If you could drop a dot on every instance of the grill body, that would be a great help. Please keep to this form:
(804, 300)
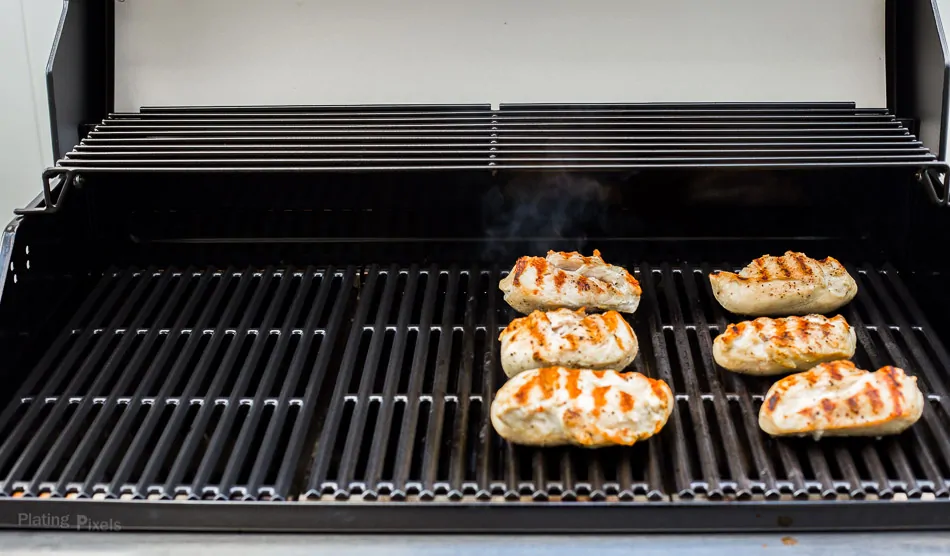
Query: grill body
(231, 323)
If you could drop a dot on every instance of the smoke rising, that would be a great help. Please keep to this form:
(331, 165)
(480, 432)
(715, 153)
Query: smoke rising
(543, 211)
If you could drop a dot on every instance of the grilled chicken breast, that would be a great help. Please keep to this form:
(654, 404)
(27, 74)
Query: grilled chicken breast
(571, 281)
(556, 406)
(839, 399)
(565, 338)
(766, 346)
(792, 284)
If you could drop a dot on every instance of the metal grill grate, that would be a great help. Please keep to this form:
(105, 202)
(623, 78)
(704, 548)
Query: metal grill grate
(513, 137)
(374, 384)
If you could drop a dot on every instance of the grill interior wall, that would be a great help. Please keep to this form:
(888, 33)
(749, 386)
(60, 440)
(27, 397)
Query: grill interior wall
(440, 316)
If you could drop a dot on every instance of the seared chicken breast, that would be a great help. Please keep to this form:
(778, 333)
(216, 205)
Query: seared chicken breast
(571, 281)
(792, 284)
(565, 338)
(767, 346)
(839, 399)
(556, 406)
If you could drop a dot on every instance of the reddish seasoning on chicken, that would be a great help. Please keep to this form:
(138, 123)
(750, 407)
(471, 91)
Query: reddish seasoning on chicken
(767, 346)
(839, 399)
(792, 284)
(556, 406)
(567, 338)
(570, 281)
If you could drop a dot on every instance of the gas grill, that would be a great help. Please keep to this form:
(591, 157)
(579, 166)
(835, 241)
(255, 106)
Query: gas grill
(285, 318)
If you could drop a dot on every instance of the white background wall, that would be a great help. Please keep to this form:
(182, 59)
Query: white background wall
(336, 51)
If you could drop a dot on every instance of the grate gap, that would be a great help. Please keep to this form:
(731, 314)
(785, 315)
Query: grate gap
(30, 469)
(227, 447)
(179, 388)
(419, 443)
(448, 440)
(366, 443)
(315, 346)
(418, 300)
(471, 439)
(389, 458)
(140, 411)
(283, 365)
(428, 378)
(270, 478)
(267, 413)
(366, 338)
(404, 373)
(336, 445)
(283, 312)
(142, 458)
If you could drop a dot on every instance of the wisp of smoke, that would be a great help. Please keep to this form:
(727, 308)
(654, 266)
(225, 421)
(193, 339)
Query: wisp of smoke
(544, 211)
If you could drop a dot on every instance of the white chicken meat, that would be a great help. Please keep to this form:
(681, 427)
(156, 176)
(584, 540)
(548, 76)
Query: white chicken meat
(767, 346)
(571, 281)
(556, 406)
(566, 338)
(792, 284)
(839, 399)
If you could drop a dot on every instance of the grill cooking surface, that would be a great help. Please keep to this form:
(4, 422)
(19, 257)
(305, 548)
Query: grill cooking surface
(374, 383)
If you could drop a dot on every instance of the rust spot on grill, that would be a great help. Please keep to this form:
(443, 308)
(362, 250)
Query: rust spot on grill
(874, 397)
(626, 401)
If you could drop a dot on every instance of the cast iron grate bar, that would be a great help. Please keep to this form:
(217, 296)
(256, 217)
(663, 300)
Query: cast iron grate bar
(520, 136)
(375, 383)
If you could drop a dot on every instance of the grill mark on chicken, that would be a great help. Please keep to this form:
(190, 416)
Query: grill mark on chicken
(600, 399)
(590, 409)
(894, 387)
(520, 266)
(583, 283)
(659, 388)
(834, 372)
(783, 268)
(874, 397)
(626, 402)
(559, 278)
(540, 266)
(853, 402)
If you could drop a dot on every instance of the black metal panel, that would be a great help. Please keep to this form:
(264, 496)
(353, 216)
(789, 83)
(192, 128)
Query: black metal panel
(919, 69)
(79, 75)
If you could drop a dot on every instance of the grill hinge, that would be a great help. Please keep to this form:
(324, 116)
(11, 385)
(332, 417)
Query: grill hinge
(50, 203)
